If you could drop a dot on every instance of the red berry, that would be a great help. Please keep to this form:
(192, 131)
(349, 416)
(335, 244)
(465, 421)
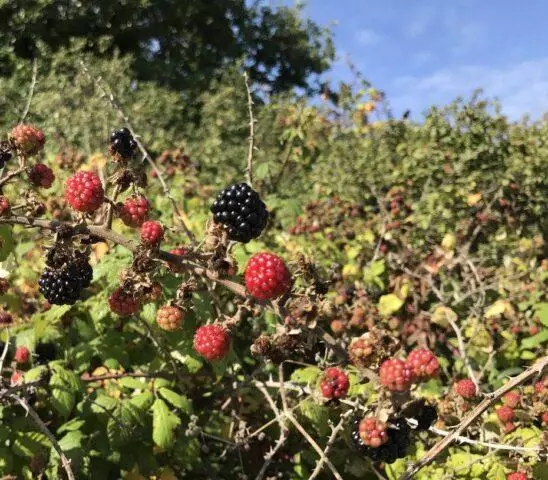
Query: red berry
(541, 385)
(266, 276)
(41, 175)
(533, 330)
(152, 233)
(135, 211)
(511, 399)
(22, 355)
(169, 318)
(516, 476)
(5, 318)
(509, 427)
(373, 432)
(212, 342)
(84, 192)
(4, 206)
(27, 139)
(123, 303)
(544, 418)
(423, 363)
(181, 252)
(334, 383)
(16, 378)
(466, 388)
(396, 375)
(505, 414)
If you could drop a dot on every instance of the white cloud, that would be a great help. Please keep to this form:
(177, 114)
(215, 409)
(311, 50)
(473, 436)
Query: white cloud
(521, 87)
(367, 37)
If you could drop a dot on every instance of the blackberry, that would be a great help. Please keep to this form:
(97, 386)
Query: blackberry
(64, 285)
(424, 414)
(396, 446)
(122, 143)
(240, 209)
(5, 153)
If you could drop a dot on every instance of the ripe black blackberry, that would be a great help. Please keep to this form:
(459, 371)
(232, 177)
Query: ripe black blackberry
(424, 414)
(122, 143)
(240, 209)
(5, 153)
(396, 447)
(63, 286)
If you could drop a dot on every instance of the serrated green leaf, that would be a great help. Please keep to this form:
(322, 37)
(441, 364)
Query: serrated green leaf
(133, 383)
(307, 375)
(35, 373)
(64, 387)
(27, 444)
(143, 400)
(148, 312)
(535, 340)
(71, 441)
(541, 311)
(178, 401)
(164, 422)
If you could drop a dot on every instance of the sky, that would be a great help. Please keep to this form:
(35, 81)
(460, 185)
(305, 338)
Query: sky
(425, 52)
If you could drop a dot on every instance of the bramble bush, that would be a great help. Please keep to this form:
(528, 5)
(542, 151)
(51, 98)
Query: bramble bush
(369, 289)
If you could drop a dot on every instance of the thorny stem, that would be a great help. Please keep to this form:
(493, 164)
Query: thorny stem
(249, 169)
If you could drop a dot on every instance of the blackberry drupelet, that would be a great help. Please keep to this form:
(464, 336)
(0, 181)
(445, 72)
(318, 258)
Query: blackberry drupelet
(82, 270)
(396, 446)
(240, 209)
(121, 142)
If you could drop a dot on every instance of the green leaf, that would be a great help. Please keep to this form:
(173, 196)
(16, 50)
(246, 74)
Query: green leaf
(143, 401)
(123, 423)
(148, 312)
(71, 441)
(178, 401)
(35, 373)
(64, 386)
(261, 170)
(133, 383)
(536, 340)
(389, 304)
(307, 375)
(71, 425)
(6, 461)
(27, 444)
(164, 422)
(6, 242)
(541, 311)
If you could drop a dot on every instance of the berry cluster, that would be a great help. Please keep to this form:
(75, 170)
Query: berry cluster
(395, 439)
(134, 211)
(122, 145)
(398, 375)
(240, 209)
(372, 432)
(334, 383)
(63, 285)
(212, 342)
(266, 276)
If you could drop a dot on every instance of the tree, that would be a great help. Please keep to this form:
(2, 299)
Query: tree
(182, 44)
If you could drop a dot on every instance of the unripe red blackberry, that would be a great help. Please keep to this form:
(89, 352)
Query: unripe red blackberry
(123, 303)
(22, 355)
(396, 445)
(266, 276)
(181, 252)
(212, 342)
(41, 176)
(334, 383)
(516, 476)
(396, 375)
(16, 378)
(542, 385)
(505, 414)
(509, 427)
(544, 418)
(240, 209)
(152, 233)
(5, 318)
(134, 212)
(373, 432)
(4, 206)
(466, 388)
(424, 363)
(27, 139)
(169, 318)
(84, 192)
(511, 399)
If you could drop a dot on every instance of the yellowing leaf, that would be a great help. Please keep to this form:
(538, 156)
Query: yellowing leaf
(473, 199)
(441, 315)
(498, 308)
(389, 304)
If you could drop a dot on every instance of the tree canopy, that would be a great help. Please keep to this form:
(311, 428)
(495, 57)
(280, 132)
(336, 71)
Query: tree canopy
(181, 44)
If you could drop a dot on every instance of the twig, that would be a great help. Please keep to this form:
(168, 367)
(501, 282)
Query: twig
(31, 90)
(21, 387)
(330, 442)
(249, 169)
(114, 104)
(283, 432)
(10, 175)
(64, 460)
(5, 350)
(462, 351)
(301, 429)
(536, 369)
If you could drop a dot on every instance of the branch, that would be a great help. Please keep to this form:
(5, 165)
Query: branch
(330, 442)
(249, 169)
(462, 350)
(64, 460)
(534, 370)
(31, 90)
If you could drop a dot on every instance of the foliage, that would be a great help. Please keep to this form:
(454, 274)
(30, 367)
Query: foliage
(413, 226)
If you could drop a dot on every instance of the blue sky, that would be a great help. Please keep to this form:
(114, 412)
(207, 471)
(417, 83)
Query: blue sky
(424, 52)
